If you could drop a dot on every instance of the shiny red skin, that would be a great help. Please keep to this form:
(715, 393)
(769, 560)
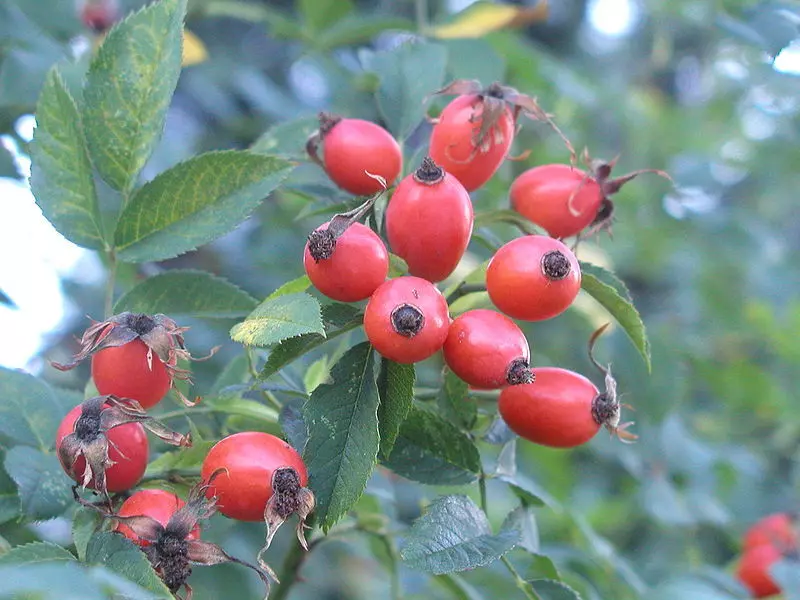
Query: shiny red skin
(481, 345)
(542, 195)
(359, 264)
(429, 225)
(353, 146)
(250, 458)
(452, 147)
(419, 293)
(753, 570)
(778, 530)
(123, 371)
(555, 410)
(128, 449)
(518, 287)
(156, 504)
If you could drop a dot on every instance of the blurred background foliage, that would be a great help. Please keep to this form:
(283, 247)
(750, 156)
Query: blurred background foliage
(705, 89)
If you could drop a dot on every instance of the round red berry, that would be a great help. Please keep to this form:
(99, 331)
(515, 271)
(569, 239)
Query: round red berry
(156, 504)
(533, 278)
(487, 350)
(355, 268)
(131, 371)
(429, 222)
(754, 570)
(128, 451)
(249, 460)
(460, 145)
(406, 319)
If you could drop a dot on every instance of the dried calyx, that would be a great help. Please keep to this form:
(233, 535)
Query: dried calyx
(606, 409)
(99, 415)
(172, 554)
(555, 265)
(407, 320)
(327, 122)
(519, 371)
(494, 100)
(322, 242)
(288, 498)
(161, 335)
(428, 173)
(600, 171)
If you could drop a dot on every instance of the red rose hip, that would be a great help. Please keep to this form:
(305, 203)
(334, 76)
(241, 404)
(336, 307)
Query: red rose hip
(429, 221)
(533, 278)
(487, 350)
(156, 504)
(354, 269)
(406, 319)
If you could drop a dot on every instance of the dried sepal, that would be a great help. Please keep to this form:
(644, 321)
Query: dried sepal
(606, 408)
(162, 336)
(288, 498)
(88, 439)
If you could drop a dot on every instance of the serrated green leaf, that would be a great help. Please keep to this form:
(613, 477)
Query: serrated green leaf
(61, 173)
(44, 490)
(188, 293)
(523, 520)
(454, 404)
(612, 294)
(549, 589)
(30, 412)
(118, 554)
(295, 286)
(280, 318)
(194, 203)
(36, 552)
(337, 318)
(84, 524)
(396, 392)
(541, 567)
(128, 90)
(454, 535)
(407, 75)
(343, 440)
(293, 425)
(431, 450)
(287, 139)
(9, 500)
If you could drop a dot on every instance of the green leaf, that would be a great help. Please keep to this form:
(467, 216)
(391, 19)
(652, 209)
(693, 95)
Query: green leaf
(542, 567)
(529, 493)
(84, 525)
(128, 90)
(293, 425)
(396, 391)
(177, 460)
(523, 520)
(343, 441)
(44, 490)
(549, 589)
(287, 139)
(295, 286)
(9, 500)
(30, 412)
(407, 75)
(337, 318)
(118, 554)
(453, 401)
(321, 14)
(245, 408)
(433, 451)
(195, 202)
(454, 535)
(35, 552)
(280, 318)
(612, 294)
(189, 293)
(61, 173)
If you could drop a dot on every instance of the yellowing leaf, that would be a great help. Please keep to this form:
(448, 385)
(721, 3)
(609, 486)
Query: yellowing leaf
(484, 18)
(194, 50)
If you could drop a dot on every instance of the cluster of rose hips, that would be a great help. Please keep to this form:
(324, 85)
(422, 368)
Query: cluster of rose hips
(770, 540)
(429, 222)
(102, 445)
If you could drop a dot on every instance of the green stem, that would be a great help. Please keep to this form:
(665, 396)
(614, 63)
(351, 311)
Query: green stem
(464, 289)
(171, 475)
(482, 489)
(266, 394)
(182, 413)
(523, 585)
(421, 11)
(110, 283)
